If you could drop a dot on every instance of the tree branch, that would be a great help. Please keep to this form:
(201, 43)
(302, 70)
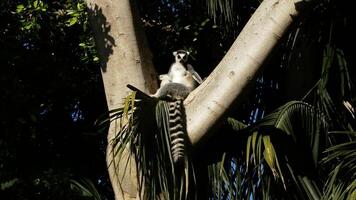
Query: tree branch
(206, 105)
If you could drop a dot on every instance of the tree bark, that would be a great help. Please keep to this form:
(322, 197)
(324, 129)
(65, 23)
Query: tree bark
(125, 59)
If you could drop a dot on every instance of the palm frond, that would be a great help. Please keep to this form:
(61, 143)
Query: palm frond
(333, 60)
(270, 167)
(314, 44)
(226, 179)
(235, 124)
(300, 121)
(222, 7)
(342, 179)
(86, 187)
(143, 127)
(307, 128)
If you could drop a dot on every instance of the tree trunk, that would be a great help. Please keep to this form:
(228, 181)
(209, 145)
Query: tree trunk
(126, 59)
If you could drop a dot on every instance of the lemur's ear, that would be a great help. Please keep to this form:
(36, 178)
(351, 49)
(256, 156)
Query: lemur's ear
(188, 53)
(175, 53)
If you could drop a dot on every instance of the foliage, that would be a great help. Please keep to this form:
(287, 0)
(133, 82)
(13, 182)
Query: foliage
(228, 13)
(51, 95)
(341, 181)
(183, 24)
(86, 187)
(224, 7)
(143, 127)
(332, 91)
(269, 166)
(315, 59)
(34, 16)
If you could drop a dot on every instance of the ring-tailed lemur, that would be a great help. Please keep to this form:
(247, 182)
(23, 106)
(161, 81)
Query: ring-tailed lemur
(180, 72)
(174, 88)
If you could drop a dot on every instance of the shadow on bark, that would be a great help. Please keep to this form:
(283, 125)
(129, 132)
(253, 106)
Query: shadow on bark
(103, 40)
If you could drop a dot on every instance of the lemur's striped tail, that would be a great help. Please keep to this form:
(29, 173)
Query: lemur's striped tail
(177, 130)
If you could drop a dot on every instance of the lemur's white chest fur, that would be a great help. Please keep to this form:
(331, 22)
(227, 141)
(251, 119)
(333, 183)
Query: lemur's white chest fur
(179, 74)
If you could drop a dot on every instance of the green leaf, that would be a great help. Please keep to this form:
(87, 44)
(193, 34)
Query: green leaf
(86, 187)
(20, 8)
(28, 25)
(235, 124)
(35, 4)
(353, 193)
(96, 58)
(71, 12)
(72, 21)
(270, 154)
(254, 138)
(248, 147)
(205, 22)
(8, 184)
(79, 6)
(127, 106)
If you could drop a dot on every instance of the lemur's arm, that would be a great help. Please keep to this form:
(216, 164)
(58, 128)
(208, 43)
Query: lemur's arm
(164, 78)
(195, 74)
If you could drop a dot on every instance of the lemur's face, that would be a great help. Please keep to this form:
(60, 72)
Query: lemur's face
(181, 56)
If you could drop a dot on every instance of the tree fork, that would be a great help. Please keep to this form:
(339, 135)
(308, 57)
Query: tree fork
(126, 60)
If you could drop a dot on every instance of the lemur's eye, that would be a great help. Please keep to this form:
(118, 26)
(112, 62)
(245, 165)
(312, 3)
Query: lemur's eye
(179, 57)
